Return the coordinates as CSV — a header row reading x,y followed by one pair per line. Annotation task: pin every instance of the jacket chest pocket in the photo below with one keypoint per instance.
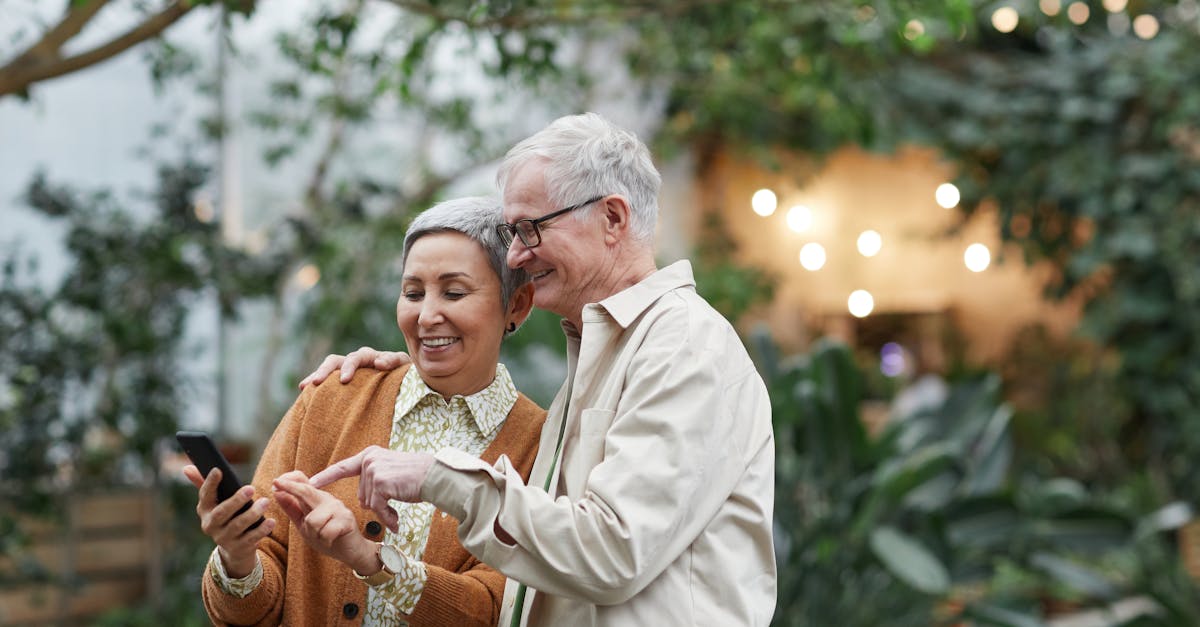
x,y
594,423
589,449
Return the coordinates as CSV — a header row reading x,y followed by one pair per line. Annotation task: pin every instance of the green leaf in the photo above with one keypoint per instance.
x,y
998,616
909,560
1073,575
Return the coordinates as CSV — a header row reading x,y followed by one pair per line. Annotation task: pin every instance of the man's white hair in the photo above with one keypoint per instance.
x,y
587,156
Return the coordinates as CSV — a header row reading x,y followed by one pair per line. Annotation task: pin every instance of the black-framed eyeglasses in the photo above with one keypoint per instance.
x,y
528,229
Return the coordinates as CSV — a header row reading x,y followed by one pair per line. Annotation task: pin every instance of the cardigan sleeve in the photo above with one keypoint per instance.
x,y
264,605
470,597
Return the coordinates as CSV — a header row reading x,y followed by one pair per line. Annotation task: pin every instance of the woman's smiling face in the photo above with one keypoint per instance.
x,y
451,313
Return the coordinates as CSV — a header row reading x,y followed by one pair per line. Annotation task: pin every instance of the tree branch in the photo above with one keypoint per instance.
x,y
519,20
44,60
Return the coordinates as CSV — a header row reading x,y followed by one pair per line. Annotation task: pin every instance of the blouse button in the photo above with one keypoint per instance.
x,y
374,528
350,610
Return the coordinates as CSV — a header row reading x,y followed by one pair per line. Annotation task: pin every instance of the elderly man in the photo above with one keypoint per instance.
x,y
650,500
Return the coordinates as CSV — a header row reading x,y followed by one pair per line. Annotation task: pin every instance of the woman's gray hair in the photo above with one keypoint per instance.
x,y
588,156
476,217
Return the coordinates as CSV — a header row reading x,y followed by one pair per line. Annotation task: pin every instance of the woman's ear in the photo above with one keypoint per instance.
x,y
520,305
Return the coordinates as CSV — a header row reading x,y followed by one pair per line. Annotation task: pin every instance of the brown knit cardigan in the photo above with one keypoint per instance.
x,y
331,422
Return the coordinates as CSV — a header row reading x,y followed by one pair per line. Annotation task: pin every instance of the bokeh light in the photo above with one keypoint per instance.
x,y
977,257
812,256
1078,12
799,218
860,303
869,243
1005,19
307,276
764,202
1145,26
947,195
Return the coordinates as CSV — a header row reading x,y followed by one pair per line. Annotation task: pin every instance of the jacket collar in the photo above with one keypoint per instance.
x,y
625,306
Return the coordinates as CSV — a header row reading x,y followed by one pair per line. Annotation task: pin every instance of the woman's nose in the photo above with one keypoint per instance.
x,y
431,312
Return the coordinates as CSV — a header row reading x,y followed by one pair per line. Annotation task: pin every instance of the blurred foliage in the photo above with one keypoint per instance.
x,y
1082,137
1086,143
931,519
730,287
90,382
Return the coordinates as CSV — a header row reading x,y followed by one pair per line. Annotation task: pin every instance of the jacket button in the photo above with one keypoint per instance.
x,y
350,610
374,528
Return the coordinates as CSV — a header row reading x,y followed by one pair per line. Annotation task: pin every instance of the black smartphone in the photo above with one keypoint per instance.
x,y
204,453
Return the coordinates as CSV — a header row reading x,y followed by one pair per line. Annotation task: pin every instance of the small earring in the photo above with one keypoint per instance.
x,y
512,327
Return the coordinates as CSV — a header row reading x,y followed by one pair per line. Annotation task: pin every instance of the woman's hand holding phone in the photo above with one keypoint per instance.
x,y
231,531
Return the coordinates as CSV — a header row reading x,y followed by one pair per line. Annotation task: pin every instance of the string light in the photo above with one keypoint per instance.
x,y
860,303
1145,26
1050,7
203,208
307,277
1078,13
977,257
869,243
1005,19
764,202
812,256
947,195
913,29
1115,6
799,218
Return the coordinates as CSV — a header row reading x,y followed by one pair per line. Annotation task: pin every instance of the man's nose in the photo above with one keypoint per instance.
x,y
518,254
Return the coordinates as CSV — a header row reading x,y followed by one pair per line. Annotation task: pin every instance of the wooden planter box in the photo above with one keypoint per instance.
x,y
107,554
1189,548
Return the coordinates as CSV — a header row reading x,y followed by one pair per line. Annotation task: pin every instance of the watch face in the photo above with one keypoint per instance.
x,y
391,558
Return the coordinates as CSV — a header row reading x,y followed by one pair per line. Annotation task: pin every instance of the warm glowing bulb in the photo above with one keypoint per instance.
x,y
1115,6
764,202
1005,19
307,277
869,243
861,303
812,256
947,195
913,29
203,208
1050,7
1078,12
977,257
1145,26
799,218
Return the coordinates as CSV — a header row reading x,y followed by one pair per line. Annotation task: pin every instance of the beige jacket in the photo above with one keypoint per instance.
x,y
664,490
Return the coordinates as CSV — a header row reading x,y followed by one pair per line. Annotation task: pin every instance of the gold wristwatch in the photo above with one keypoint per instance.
x,y
392,562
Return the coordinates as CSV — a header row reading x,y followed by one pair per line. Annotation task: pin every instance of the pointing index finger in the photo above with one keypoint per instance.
x,y
349,467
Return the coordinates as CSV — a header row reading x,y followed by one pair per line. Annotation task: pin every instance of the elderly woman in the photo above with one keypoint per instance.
x,y
321,558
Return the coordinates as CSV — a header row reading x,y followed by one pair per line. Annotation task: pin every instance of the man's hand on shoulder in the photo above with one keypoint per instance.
x,y
365,357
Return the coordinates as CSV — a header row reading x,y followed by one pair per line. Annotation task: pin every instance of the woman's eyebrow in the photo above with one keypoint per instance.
x,y
445,276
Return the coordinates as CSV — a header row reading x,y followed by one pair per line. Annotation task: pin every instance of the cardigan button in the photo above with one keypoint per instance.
x,y
350,610
374,528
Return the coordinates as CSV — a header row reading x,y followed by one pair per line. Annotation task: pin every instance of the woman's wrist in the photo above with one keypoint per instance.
x,y
365,560
237,566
